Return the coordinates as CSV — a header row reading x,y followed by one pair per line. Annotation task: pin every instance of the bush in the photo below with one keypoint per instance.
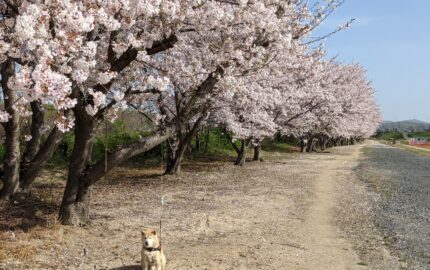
x,y
390,135
212,140
117,136
421,134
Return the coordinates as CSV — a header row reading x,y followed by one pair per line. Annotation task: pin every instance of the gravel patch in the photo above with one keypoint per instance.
x,y
400,182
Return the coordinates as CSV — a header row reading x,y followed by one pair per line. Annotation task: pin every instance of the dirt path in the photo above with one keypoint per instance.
x,y
278,214
326,249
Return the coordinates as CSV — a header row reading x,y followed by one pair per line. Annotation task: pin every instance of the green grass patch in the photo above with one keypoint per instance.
x,y
279,147
396,135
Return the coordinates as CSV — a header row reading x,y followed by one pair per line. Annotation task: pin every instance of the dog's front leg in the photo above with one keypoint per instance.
x,y
158,265
144,264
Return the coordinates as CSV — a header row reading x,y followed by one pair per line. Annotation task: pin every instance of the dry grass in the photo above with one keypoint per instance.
x,y
16,251
123,202
421,152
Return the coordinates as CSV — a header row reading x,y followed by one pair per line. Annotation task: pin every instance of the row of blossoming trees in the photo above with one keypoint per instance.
x,y
247,66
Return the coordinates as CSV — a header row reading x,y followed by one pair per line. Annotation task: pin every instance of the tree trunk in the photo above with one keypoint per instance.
x,y
37,122
241,155
309,145
171,146
29,171
257,153
74,208
173,165
76,199
323,141
11,160
314,145
241,158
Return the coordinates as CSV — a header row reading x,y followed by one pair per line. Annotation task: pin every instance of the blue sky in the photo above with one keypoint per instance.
x,y
391,39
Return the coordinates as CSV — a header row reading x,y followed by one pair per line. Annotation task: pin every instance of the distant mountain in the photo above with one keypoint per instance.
x,y
406,125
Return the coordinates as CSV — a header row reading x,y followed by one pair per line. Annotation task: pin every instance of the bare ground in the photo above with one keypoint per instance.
x,y
290,212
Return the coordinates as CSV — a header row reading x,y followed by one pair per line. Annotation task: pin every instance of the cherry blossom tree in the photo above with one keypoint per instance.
x,y
342,106
10,115
74,55
355,114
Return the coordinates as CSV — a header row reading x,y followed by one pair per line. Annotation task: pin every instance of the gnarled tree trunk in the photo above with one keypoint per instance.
x,y
74,208
241,151
177,150
173,164
241,157
37,121
11,160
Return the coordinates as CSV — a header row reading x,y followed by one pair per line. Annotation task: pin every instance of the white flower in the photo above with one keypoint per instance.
x,y
143,56
4,47
65,124
105,77
4,117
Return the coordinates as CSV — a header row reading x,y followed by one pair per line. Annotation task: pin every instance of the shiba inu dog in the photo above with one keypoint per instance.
x,y
152,255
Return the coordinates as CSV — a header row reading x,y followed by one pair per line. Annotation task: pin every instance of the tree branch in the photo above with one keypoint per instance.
x,y
96,172
12,5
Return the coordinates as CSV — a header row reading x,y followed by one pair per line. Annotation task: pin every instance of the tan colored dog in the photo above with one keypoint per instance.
x,y
152,255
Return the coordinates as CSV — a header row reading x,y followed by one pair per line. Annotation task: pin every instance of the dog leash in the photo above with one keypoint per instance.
x,y
161,188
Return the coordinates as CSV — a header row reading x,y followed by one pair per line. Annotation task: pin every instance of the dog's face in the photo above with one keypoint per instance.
x,y
150,238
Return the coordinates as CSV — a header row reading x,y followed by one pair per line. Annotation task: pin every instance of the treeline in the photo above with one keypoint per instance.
x,y
130,127
247,69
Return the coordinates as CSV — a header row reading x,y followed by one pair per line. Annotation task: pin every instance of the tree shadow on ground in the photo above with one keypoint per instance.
x,y
280,148
26,212
150,174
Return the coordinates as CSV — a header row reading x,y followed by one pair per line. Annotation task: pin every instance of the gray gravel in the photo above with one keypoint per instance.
x,y
402,214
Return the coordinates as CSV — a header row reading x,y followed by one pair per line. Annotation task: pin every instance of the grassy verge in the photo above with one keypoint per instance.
x,y
414,150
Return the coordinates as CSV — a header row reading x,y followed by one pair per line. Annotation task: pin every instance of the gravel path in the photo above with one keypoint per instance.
x,y
402,181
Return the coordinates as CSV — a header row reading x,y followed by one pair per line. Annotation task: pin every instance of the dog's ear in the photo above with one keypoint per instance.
x,y
154,232
142,233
